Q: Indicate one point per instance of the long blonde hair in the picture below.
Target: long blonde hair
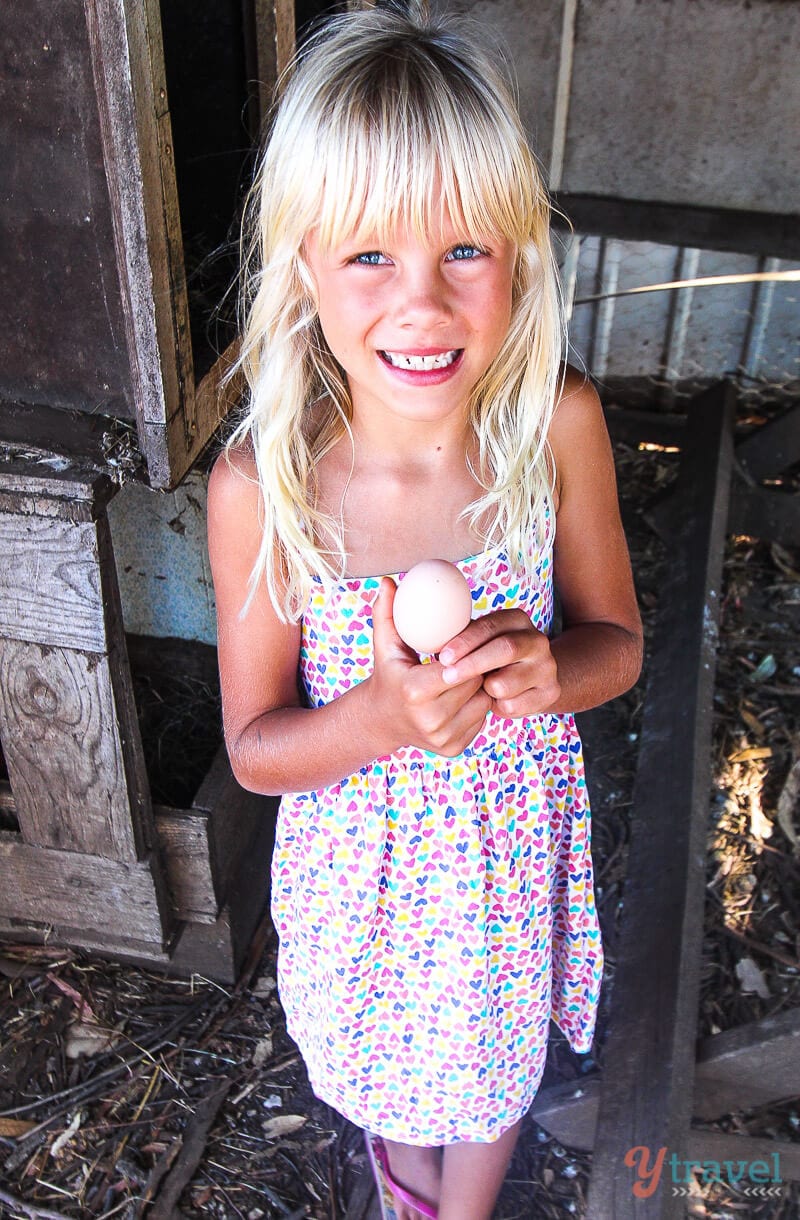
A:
(377, 109)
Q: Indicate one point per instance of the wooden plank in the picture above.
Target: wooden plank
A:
(781, 1157)
(219, 951)
(648, 1058)
(755, 1065)
(272, 30)
(184, 847)
(63, 325)
(68, 433)
(773, 516)
(682, 225)
(111, 897)
(50, 590)
(773, 446)
(127, 62)
(103, 942)
(61, 739)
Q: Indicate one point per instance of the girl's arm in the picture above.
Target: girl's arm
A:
(599, 652)
(275, 744)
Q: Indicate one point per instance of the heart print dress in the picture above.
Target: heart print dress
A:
(435, 913)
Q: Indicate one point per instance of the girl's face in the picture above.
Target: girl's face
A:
(413, 323)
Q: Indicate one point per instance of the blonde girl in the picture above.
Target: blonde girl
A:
(404, 347)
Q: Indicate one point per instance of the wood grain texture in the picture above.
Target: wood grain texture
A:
(62, 746)
(111, 897)
(130, 84)
(184, 847)
(648, 1058)
(50, 589)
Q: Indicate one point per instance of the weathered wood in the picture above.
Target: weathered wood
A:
(754, 1065)
(219, 951)
(112, 897)
(104, 942)
(50, 590)
(68, 717)
(130, 86)
(63, 749)
(682, 225)
(183, 839)
(757, 1064)
(649, 1054)
(68, 433)
(273, 36)
(743, 1150)
(63, 328)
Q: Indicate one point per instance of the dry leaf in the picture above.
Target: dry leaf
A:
(262, 1051)
(751, 979)
(751, 754)
(13, 1128)
(86, 1038)
(283, 1124)
(753, 723)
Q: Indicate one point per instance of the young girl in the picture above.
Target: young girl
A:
(431, 883)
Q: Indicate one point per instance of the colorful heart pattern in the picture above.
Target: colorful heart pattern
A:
(434, 914)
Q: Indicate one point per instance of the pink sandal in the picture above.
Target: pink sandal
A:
(388, 1189)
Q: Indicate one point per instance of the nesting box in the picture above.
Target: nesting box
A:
(109, 364)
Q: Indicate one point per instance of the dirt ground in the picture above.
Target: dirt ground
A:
(123, 1093)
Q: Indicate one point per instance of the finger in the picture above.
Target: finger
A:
(386, 641)
(480, 631)
(512, 648)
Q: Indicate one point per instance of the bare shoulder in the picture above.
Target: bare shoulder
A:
(578, 435)
(234, 494)
(578, 405)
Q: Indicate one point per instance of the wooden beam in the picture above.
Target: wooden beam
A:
(755, 1065)
(47, 886)
(648, 1060)
(771, 515)
(769, 449)
(682, 225)
(183, 840)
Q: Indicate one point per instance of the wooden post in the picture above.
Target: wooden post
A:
(648, 1060)
(85, 855)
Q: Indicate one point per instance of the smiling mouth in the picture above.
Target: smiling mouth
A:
(421, 364)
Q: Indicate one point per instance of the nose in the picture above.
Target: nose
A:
(423, 298)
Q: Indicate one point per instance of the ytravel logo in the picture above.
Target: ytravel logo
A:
(755, 1179)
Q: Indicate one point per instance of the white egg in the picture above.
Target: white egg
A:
(432, 604)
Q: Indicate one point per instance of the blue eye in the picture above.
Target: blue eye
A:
(464, 252)
(371, 258)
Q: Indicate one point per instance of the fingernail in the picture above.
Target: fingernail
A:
(446, 656)
(449, 676)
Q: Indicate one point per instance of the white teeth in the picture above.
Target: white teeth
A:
(421, 364)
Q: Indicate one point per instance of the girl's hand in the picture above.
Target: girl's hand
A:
(412, 701)
(513, 660)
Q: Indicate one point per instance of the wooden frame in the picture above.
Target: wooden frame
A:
(108, 334)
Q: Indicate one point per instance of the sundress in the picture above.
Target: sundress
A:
(434, 914)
